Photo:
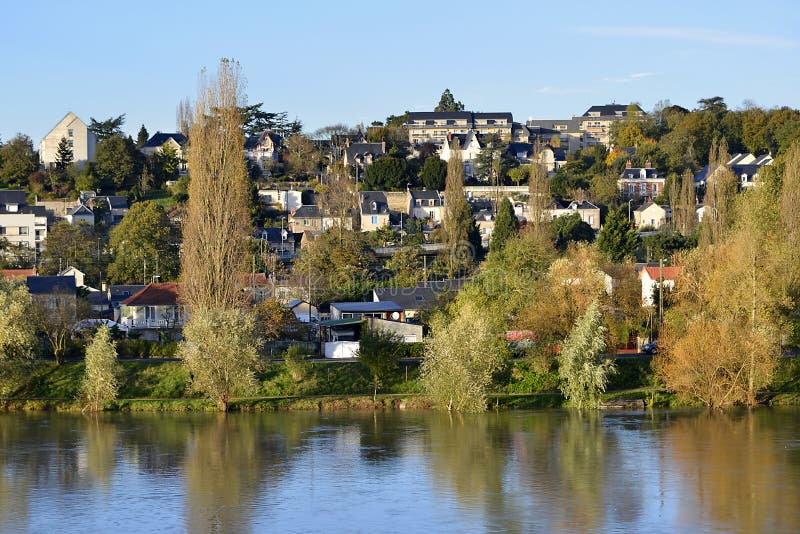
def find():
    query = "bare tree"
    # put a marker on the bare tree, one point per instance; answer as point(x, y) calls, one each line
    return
point(216, 227)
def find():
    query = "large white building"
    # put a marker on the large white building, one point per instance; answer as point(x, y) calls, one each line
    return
point(21, 224)
point(78, 136)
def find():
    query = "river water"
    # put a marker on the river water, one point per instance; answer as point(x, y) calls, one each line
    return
point(521, 471)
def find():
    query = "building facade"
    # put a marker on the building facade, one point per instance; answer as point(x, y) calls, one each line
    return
point(80, 139)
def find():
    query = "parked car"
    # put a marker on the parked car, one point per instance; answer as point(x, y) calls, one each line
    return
point(650, 348)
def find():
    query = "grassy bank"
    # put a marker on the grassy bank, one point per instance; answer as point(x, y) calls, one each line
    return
point(164, 386)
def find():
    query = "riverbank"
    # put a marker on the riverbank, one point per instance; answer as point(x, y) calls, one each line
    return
point(147, 386)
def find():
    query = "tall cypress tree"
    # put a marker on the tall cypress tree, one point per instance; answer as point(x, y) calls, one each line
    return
point(142, 137)
point(505, 225)
point(617, 239)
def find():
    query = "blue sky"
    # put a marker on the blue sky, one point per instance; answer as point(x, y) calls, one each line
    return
point(327, 62)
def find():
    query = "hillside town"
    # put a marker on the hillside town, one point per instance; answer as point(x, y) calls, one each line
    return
point(353, 228)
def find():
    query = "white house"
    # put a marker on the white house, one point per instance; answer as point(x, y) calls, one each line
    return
point(589, 213)
point(80, 139)
point(284, 200)
point(21, 224)
point(468, 144)
point(426, 205)
point(650, 277)
point(374, 210)
point(79, 213)
point(651, 214)
point(176, 141)
point(152, 310)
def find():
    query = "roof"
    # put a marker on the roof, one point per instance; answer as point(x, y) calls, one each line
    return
point(635, 173)
point(410, 298)
point(45, 285)
point(581, 205)
point(366, 307)
point(441, 115)
point(12, 196)
point(160, 138)
point(359, 149)
point(452, 284)
point(254, 140)
point(10, 274)
point(274, 235)
point(610, 110)
point(374, 202)
point(670, 273)
point(649, 204)
point(121, 292)
point(425, 195)
point(154, 295)
point(80, 209)
point(341, 322)
point(310, 211)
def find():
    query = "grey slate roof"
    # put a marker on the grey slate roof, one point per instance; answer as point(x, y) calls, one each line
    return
point(410, 298)
point(374, 202)
point(254, 140)
point(309, 211)
point(274, 235)
point(12, 196)
point(45, 285)
point(362, 149)
point(118, 293)
point(160, 138)
point(426, 195)
point(609, 110)
point(367, 307)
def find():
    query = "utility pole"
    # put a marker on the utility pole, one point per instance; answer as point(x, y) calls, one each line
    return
point(660, 294)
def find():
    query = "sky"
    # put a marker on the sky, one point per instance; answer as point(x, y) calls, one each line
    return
point(352, 62)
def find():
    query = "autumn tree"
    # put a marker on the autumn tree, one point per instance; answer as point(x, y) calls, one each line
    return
point(76, 245)
point(221, 346)
point(274, 320)
point(583, 372)
point(17, 333)
point(100, 383)
point(302, 157)
point(457, 223)
point(539, 199)
point(378, 353)
point(461, 358)
point(684, 216)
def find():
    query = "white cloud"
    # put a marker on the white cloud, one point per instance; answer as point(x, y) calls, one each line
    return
point(705, 35)
point(630, 77)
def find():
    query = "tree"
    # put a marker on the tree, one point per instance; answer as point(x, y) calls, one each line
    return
point(273, 319)
point(145, 241)
point(77, 246)
point(604, 188)
point(255, 120)
point(461, 358)
point(18, 161)
point(17, 333)
point(539, 199)
point(583, 374)
point(433, 173)
point(448, 103)
point(166, 164)
point(64, 156)
point(107, 128)
point(302, 157)
point(116, 162)
point(406, 265)
point(458, 224)
point(378, 353)
point(505, 225)
point(217, 224)
point(183, 116)
point(684, 215)
point(220, 351)
point(100, 384)
point(388, 174)
point(494, 161)
point(617, 240)
point(337, 192)
point(55, 321)
point(571, 229)
point(142, 137)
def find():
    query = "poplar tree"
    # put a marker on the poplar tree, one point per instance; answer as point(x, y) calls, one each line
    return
point(539, 198)
point(221, 347)
point(458, 225)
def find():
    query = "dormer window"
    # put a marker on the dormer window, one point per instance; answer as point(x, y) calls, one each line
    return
point(643, 173)
point(70, 133)
point(12, 208)
point(374, 206)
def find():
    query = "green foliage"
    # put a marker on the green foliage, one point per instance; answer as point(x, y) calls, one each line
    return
point(584, 376)
point(505, 225)
point(461, 358)
point(377, 351)
point(494, 161)
point(571, 229)
point(117, 163)
point(665, 244)
point(17, 161)
point(76, 245)
point(64, 155)
point(145, 234)
point(617, 240)
point(17, 332)
point(221, 353)
point(296, 364)
point(406, 266)
point(166, 164)
point(142, 137)
point(433, 173)
point(448, 103)
point(255, 120)
point(388, 174)
point(100, 383)
point(107, 128)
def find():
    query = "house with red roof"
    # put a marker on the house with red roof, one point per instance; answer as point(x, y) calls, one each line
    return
point(651, 276)
point(152, 310)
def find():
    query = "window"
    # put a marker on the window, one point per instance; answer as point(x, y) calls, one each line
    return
point(631, 188)
point(23, 230)
point(70, 143)
point(374, 219)
point(591, 220)
point(70, 133)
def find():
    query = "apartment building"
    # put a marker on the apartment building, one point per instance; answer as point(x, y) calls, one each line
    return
point(436, 126)
point(21, 224)
point(80, 139)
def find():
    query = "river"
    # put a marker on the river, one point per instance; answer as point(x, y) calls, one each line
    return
point(519, 471)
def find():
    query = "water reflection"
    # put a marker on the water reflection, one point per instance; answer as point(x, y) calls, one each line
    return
point(391, 471)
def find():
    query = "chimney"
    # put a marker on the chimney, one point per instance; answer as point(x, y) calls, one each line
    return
point(628, 165)
point(383, 147)
point(347, 141)
point(648, 165)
